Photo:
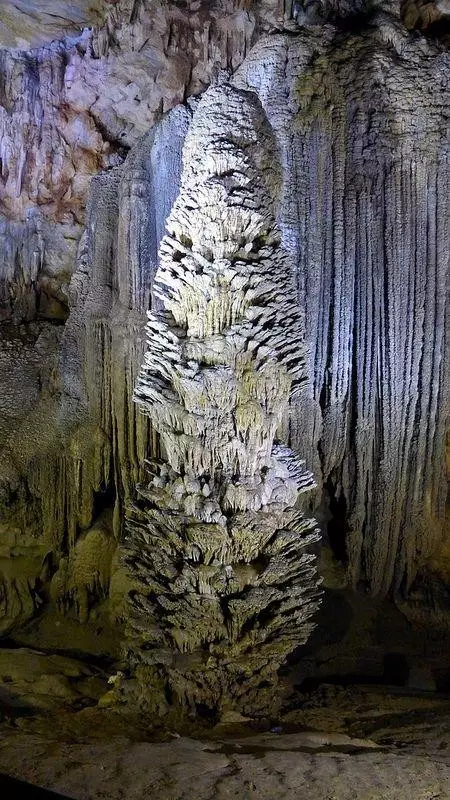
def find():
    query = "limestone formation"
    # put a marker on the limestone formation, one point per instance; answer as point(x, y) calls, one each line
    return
point(25, 23)
point(362, 142)
point(68, 429)
point(365, 144)
point(227, 583)
point(70, 442)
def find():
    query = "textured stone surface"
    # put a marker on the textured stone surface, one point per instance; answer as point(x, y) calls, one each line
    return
point(363, 742)
point(27, 23)
point(226, 581)
point(320, 766)
point(364, 213)
point(35, 682)
point(433, 18)
point(67, 111)
point(69, 403)
point(71, 444)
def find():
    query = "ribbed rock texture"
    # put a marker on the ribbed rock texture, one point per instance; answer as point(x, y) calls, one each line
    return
point(225, 581)
point(358, 108)
point(364, 213)
point(66, 402)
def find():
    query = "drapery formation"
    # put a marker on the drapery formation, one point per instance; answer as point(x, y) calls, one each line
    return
point(364, 213)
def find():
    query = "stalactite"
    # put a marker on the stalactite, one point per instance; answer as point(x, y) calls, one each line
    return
point(225, 579)
point(69, 110)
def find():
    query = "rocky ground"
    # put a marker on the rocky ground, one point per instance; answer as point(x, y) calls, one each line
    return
point(363, 742)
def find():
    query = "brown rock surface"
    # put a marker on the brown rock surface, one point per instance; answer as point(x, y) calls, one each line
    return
point(356, 744)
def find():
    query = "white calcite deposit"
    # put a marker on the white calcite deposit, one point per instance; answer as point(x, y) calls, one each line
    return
point(226, 582)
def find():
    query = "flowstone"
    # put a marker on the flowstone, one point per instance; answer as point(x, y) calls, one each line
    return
point(223, 563)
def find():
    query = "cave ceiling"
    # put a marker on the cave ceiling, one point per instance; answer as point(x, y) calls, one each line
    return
point(28, 24)
point(25, 24)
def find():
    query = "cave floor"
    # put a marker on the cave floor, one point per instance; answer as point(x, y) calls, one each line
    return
point(363, 742)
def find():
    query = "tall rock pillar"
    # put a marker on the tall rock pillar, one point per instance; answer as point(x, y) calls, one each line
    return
point(223, 562)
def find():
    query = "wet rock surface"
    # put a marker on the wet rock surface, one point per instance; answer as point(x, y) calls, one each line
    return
point(363, 742)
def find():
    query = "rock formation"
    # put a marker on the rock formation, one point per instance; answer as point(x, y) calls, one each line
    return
point(366, 145)
point(362, 213)
point(70, 443)
point(225, 581)
point(25, 24)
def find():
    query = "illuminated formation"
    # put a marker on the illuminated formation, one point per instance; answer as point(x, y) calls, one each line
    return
point(225, 575)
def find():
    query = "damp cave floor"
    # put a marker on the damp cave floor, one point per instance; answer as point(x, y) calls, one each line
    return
point(353, 742)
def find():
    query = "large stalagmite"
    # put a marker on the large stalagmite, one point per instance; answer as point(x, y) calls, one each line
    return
point(225, 580)
point(359, 110)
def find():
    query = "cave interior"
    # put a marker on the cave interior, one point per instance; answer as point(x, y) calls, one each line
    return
point(224, 372)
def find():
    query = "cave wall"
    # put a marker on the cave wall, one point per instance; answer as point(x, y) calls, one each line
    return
point(82, 442)
point(365, 213)
point(89, 169)
point(71, 445)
